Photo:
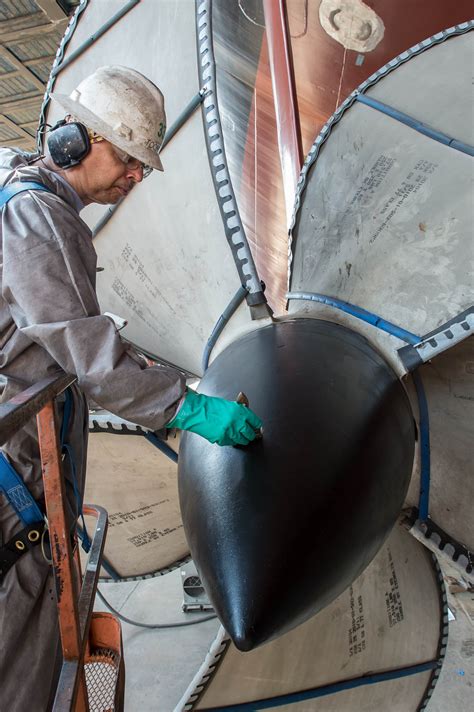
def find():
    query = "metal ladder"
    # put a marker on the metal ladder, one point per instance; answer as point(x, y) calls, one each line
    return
point(92, 673)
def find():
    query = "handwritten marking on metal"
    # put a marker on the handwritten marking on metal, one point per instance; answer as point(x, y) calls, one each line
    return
point(234, 230)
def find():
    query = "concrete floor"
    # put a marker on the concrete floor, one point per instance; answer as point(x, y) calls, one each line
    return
point(160, 664)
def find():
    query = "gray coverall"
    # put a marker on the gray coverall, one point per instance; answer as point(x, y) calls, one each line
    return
point(50, 320)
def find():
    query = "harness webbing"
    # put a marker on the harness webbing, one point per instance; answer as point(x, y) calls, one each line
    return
point(9, 191)
point(11, 484)
point(17, 493)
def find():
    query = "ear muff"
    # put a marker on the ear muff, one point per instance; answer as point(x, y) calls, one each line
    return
point(68, 143)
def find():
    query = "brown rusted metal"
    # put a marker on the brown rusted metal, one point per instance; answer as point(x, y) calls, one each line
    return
point(16, 412)
point(105, 640)
point(75, 603)
point(73, 668)
point(61, 553)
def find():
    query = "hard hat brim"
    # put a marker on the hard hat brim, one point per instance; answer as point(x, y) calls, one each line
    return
point(91, 121)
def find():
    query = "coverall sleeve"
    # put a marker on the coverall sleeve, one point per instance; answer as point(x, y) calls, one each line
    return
point(48, 267)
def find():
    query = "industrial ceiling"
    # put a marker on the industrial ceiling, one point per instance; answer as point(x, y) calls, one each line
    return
point(30, 32)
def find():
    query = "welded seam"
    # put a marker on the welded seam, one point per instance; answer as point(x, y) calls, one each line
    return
point(92, 39)
point(323, 135)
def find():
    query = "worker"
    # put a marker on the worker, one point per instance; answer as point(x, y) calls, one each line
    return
point(50, 321)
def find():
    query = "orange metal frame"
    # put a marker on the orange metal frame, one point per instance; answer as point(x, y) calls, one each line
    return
point(75, 599)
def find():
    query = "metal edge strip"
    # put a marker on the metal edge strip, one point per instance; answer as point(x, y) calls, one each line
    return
point(151, 574)
point(204, 675)
point(443, 635)
point(52, 75)
point(433, 537)
point(233, 227)
point(323, 135)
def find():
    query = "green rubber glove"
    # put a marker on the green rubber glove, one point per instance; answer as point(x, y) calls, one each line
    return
point(219, 421)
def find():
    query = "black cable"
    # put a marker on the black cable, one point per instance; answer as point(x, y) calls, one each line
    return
point(152, 625)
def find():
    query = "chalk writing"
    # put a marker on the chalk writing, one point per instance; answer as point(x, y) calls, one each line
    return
point(135, 264)
point(125, 294)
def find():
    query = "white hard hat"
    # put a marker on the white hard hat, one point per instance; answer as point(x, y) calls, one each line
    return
point(122, 106)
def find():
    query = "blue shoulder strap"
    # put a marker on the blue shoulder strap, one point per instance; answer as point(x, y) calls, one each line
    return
point(11, 483)
point(9, 191)
point(17, 493)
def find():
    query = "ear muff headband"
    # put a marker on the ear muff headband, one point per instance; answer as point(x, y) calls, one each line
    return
point(68, 143)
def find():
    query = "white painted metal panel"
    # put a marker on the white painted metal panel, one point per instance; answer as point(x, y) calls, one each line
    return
point(168, 268)
point(385, 217)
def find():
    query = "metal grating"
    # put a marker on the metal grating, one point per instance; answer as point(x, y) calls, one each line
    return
point(30, 32)
point(101, 671)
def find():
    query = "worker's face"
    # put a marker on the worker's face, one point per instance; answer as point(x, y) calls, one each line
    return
point(108, 174)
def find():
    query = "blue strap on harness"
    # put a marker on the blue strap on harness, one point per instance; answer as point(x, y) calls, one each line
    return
point(17, 494)
point(9, 191)
point(11, 484)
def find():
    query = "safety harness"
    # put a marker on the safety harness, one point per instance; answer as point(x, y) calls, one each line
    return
point(29, 511)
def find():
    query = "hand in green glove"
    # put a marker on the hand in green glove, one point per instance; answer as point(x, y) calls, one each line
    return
point(219, 421)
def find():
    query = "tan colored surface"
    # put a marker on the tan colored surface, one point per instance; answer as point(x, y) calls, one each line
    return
point(137, 485)
point(389, 618)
